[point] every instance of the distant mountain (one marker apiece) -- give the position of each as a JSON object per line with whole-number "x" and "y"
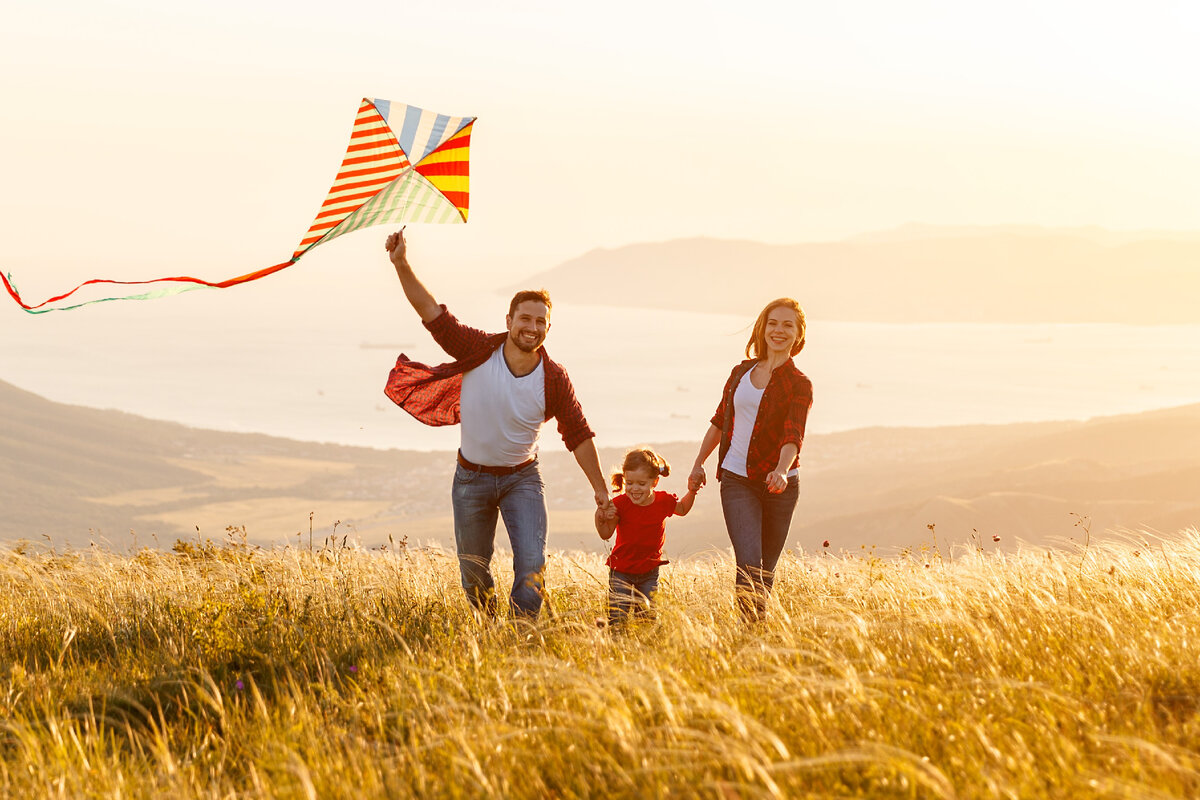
{"x": 76, "y": 475}
{"x": 1040, "y": 483}
{"x": 1093, "y": 233}
{"x": 913, "y": 274}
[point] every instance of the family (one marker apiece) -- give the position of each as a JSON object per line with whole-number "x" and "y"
{"x": 502, "y": 387}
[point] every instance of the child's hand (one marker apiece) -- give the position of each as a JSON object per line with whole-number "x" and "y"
{"x": 610, "y": 513}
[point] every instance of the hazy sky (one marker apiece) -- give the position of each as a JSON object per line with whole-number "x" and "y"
{"x": 141, "y": 138}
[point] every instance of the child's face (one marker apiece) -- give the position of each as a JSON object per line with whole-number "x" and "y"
{"x": 639, "y": 485}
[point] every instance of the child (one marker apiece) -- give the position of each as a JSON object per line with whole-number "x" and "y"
{"x": 637, "y": 516}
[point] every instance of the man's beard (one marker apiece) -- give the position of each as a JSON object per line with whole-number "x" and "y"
{"x": 526, "y": 347}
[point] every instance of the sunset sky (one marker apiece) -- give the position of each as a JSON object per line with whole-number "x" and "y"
{"x": 144, "y": 138}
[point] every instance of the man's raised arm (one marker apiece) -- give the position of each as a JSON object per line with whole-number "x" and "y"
{"x": 420, "y": 298}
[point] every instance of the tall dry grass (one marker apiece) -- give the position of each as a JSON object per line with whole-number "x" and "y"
{"x": 228, "y": 671}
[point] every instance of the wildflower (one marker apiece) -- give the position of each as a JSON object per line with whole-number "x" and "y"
{"x": 240, "y": 685}
{"x": 825, "y": 543}
{"x": 353, "y": 668}
{"x": 995, "y": 538}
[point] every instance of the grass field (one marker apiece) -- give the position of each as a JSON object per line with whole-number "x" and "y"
{"x": 224, "y": 670}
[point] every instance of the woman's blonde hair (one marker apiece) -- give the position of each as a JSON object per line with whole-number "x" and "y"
{"x": 757, "y": 346}
{"x": 640, "y": 458}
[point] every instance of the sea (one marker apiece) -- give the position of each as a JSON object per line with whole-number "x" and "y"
{"x": 642, "y": 375}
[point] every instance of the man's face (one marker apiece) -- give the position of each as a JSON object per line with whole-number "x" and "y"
{"x": 528, "y": 325}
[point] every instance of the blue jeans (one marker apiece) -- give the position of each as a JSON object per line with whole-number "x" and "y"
{"x": 758, "y": 523}
{"x": 478, "y": 498}
{"x": 630, "y": 593}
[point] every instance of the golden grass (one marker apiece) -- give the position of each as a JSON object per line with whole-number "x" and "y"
{"x": 228, "y": 671}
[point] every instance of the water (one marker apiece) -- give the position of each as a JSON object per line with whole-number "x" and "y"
{"x": 641, "y": 375}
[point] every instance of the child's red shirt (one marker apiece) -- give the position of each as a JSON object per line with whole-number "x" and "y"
{"x": 641, "y": 533}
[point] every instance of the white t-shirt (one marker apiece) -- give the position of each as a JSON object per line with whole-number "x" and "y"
{"x": 746, "y": 399}
{"x": 501, "y": 413}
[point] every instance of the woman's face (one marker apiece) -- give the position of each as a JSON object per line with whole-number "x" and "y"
{"x": 781, "y": 330}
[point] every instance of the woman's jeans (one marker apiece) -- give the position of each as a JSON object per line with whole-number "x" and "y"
{"x": 758, "y": 523}
{"x": 478, "y": 499}
{"x": 630, "y": 594}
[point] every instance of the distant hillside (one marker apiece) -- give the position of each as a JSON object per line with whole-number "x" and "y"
{"x": 916, "y": 274}
{"x": 80, "y": 474}
{"x": 77, "y": 475}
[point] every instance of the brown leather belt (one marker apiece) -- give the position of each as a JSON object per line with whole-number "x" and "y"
{"x": 493, "y": 470}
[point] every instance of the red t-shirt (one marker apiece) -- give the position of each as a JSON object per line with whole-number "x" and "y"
{"x": 641, "y": 533}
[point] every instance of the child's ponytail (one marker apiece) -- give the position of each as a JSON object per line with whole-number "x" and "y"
{"x": 640, "y": 458}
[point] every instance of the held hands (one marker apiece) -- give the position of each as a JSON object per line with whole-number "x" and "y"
{"x": 605, "y": 504}
{"x": 606, "y": 515}
{"x": 697, "y": 479}
{"x": 776, "y": 481}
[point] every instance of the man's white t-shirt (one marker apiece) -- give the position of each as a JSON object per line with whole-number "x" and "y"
{"x": 501, "y": 413}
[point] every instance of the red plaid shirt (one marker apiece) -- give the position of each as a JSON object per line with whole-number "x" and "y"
{"x": 433, "y": 394}
{"x": 782, "y": 414}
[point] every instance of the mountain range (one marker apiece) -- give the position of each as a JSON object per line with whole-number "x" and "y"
{"x": 912, "y": 274}
{"x": 70, "y": 476}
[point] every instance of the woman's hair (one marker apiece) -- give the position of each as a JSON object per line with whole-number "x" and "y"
{"x": 640, "y": 458}
{"x": 757, "y": 346}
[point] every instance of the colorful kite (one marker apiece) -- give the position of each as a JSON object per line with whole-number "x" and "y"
{"x": 403, "y": 164}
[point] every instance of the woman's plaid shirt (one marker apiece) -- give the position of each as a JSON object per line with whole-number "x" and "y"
{"x": 782, "y": 415}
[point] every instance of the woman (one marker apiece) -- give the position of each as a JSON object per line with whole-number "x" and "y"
{"x": 759, "y": 426}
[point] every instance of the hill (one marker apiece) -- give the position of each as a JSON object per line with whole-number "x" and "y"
{"x": 77, "y": 475}
{"x": 915, "y": 274}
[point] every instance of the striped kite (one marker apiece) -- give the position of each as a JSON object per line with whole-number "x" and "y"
{"x": 403, "y": 164}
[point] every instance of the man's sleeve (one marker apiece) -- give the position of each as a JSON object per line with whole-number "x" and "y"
{"x": 565, "y": 408}
{"x": 457, "y": 339}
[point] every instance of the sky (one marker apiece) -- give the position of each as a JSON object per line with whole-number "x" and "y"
{"x": 143, "y": 138}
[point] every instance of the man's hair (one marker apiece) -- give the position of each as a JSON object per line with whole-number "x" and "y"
{"x": 541, "y": 295}
{"x": 757, "y": 346}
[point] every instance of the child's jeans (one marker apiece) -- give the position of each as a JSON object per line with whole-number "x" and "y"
{"x": 631, "y": 594}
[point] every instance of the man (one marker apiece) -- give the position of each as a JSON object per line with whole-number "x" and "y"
{"x": 501, "y": 387}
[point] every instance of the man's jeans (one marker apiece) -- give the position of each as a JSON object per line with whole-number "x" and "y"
{"x": 477, "y": 498}
{"x": 758, "y": 523}
{"x": 631, "y": 594}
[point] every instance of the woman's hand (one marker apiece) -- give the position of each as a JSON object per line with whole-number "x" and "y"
{"x": 696, "y": 479}
{"x": 776, "y": 481}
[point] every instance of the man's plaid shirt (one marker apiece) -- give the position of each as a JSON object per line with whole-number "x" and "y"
{"x": 433, "y": 394}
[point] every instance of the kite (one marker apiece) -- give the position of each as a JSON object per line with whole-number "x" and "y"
{"x": 403, "y": 164}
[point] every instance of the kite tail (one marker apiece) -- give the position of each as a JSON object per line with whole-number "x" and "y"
{"x": 182, "y": 284}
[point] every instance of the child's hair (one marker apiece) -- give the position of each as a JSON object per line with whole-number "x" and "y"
{"x": 640, "y": 458}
